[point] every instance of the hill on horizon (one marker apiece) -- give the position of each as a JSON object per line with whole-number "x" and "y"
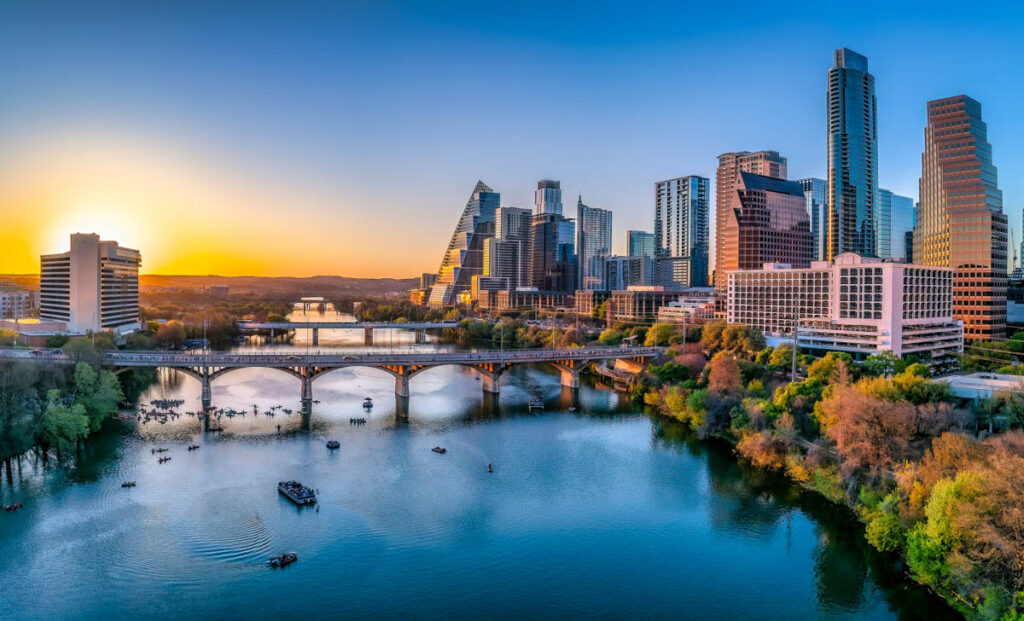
{"x": 312, "y": 285}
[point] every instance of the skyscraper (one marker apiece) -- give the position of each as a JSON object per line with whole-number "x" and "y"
{"x": 852, "y": 156}
{"x": 514, "y": 225}
{"x": 548, "y": 197}
{"x": 552, "y": 264}
{"x": 640, "y": 244}
{"x": 895, "y": 220}
{"x": 593, "y": 244}
{"x": 681, "y": 231}
{"x": 960, "y": 223}
{"x": 766, "y": 222}
{"x": 730, "y": 165}
{"x": 93, "y": 286}
{"x": 816, "y": 203}
{"x": 464, "y": 257}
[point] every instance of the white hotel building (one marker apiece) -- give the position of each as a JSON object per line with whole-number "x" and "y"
{"x": 94, "y": 286}
{"x": 857, "y": 305}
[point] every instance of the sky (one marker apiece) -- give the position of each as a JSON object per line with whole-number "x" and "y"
{"x": 309, "y": 138}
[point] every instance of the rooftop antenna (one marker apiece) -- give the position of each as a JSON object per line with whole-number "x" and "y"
{"x": 1013, "y": 244}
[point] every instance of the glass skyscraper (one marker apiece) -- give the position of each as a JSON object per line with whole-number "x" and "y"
{"x": 896, "y": 218}
{"x": 548, "y": 197}
{"x": 464, "y": 257}
{"x": 593, "y": 244}
{"x": 852, "y": 157}
{"x": 681, "y": 231}
{"x": 960, "y": 222}
{"x": 640, "y": 244}
{"x": 816, "y": 203}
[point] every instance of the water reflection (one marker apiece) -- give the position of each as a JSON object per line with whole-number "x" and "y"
{"x": 597, "y": 512}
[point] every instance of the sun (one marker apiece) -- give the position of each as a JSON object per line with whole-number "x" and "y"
{"x": 109, "y": 219}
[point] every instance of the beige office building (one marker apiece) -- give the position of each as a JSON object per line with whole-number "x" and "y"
{"x": 93, "y": 286}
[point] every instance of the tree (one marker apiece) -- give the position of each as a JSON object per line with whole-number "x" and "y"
{"x": 824, "y": 368}
{"x": 659, "y": 334}
{"x": 63, "y": 425}
{"x": 780, "y": 358}
{"x": 724, "y": 377}
{"x": 610, "y": 336}
{"x": 950, "y": 454}
{"x": 171, "y": 334}
{"x": 871, "y": 435}
{"x": 98, "y": 392}
{"x": 880, "y": 364}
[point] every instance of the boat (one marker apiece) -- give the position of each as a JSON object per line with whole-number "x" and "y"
{"x": 490, "y": 467}
{"x": 297, "y": 492}
{"x": 128, "y": 484}
{"x": 536, "y": 404}
{"x": 283, "y": 560}
{"x": 333, "y": 444}
{"x": 193, "y": 447}
{"x": 367, "y": 403}
{"x": 439, "y": 449}
{"x": 13, "y": 507}
{"x": 357, "y": 421}
{"x": 158, "y": 450}
{"x": 163, "y": 459}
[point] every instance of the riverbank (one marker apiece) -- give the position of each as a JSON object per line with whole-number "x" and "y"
{"x": 883, "y": 441}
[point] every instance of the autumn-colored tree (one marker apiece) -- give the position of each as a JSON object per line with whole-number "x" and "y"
{"x": 724, "y": 377}
{"x": 694, "y": 363}
{"x": 871, "y": 435}
{"x": 171, "y": 334}
{"x": 950, "y": 453}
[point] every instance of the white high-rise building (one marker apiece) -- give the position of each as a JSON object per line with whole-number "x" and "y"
{"x": 593, "y": 245}
{"x": 681, "y": 231}
{"x": 93, "y": 286}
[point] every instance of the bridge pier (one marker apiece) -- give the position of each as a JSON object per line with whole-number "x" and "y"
{"x": 491, "y": 382}
{"x": 421, "y": 336}
{"x": 316, "y": 337}
{"x": 307, "y": 393}
{"x": 206, "y": 395}
{"x": 570, "y": 377}
{"x": 402, "y": 385}
{"x": 367, "y": 336}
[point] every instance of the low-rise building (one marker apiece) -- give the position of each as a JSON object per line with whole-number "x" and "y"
{"x": 587, "y": 301}
{"x": 687, "y": 312}
{"x": 643, "y": 303}
{"x": 857, "y": 305}
{"x": 524, "y": 299}
{"x": 16, "y": 302}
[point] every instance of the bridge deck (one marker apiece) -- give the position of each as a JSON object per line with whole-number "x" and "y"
{"x": 344, "y": 325}
{"x": 297, "y": 359}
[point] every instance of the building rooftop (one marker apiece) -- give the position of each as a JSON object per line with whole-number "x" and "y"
{"x": 982, "y": 385}
{"x": 754, "y": 181}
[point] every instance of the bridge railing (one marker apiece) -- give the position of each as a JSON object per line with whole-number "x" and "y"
{"x": 159, "y": 358}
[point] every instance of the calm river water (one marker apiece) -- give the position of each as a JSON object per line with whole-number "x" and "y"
{"x": 602, "y": 512}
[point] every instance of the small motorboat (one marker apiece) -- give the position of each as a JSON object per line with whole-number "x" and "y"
{"x": 163, "y": 459}
{"x": 158, "y": 450}
{"x": 490, "y": 467}
{"x": 283, "y": 560}
{"x": 536, "y": 404}
{"x": 128, "y": 484}
{"x": 440, "y": 449}
{"x": 333, "y": 444}
{"x": 13, "y": 507}
{"x": 367, "y": 403}
{"x": 193, "y": 447}
{"x": 357, "y": 421}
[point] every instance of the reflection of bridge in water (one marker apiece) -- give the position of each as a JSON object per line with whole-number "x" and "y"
{"x": 419, "y": 328}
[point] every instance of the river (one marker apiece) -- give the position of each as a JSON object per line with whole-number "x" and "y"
{"x": 599, "y": 511}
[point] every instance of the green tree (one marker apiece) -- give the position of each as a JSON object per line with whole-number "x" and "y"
{"x": 880, "y": 364}
{"x": 659, "y": 334}
{"x": 63, "y": 425}
{"x": 98, "y": 392}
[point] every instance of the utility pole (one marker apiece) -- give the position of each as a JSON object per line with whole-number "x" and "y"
{"x": 796, "y": 330}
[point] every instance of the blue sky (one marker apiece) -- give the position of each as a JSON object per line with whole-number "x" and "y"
{"x": 359, "y": 128}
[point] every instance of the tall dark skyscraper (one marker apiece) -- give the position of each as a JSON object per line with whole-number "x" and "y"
{"x": 852, "y": 156}
{"x": 552, "y": 264}
{"x": 593, "y": 244}
{"x": 960, "y": 222}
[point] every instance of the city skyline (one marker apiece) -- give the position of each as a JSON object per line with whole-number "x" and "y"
{"x": 119, "y": 149}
